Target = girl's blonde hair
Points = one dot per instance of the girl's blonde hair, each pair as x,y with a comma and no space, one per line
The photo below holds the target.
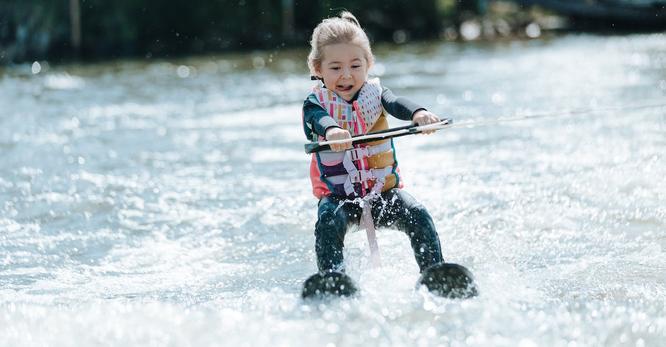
342,29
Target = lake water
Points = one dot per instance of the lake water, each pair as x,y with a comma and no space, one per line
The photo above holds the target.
167,202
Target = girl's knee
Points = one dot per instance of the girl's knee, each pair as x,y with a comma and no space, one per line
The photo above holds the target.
418,215
330,224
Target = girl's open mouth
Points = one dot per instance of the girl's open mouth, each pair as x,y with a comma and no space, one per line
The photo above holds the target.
345,88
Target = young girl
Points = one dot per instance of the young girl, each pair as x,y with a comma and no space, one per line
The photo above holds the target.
361,183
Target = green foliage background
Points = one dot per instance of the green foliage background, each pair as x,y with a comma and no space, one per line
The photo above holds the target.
40,29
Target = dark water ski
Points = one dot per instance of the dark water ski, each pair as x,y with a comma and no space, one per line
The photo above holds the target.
445,279
328,284
449,280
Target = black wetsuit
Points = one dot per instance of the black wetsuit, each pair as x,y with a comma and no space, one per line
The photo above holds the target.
396,208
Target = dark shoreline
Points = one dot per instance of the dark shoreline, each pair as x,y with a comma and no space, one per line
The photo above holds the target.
500,21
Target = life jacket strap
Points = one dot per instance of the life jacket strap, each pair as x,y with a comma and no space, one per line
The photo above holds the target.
368,224
360,153
361,176
351,169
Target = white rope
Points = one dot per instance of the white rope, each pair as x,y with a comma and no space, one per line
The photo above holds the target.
470,124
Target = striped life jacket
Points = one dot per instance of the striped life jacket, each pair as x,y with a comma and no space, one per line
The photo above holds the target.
367,167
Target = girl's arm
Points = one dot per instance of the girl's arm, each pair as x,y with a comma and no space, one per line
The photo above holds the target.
316,120
398,106
405,109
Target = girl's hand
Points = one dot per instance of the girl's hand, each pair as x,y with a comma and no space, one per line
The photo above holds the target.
335,133
423,117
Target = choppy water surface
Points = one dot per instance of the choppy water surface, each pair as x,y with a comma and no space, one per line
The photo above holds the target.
168,203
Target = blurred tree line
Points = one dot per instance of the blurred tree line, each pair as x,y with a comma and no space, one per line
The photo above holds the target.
99,29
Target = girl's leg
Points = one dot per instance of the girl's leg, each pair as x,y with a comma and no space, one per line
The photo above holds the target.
400,210
330,230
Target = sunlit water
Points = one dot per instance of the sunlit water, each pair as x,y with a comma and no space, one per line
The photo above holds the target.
167,203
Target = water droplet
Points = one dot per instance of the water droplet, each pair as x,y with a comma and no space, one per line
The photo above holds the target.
36,68
399,36
533,30
470,30
183,71
258,63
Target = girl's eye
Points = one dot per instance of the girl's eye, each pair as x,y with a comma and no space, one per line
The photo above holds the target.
356,66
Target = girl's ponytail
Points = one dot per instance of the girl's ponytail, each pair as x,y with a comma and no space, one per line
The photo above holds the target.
346,15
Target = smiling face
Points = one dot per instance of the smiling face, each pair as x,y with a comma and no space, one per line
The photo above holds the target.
344,69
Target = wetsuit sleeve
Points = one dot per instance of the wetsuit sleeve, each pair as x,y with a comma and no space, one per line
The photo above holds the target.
398,106
316,120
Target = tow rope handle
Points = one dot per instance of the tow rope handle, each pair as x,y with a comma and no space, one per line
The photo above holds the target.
411,129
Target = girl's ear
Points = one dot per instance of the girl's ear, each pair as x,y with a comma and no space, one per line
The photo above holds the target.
317,76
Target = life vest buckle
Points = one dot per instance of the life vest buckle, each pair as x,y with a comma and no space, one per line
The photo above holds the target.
363,176
359,153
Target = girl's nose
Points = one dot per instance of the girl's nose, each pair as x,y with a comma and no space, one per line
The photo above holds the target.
346,72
